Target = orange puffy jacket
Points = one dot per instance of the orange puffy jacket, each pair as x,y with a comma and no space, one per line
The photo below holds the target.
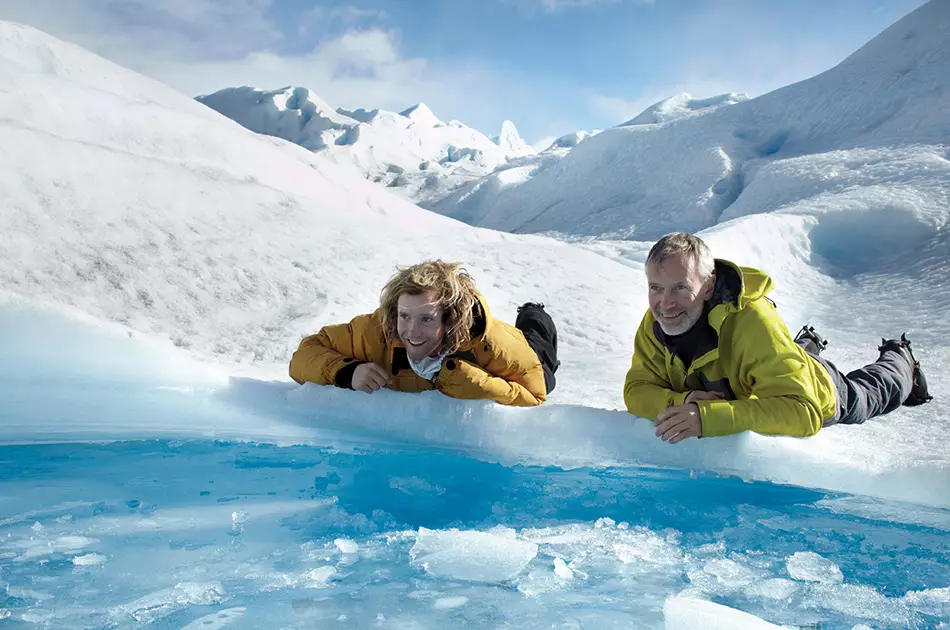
498,364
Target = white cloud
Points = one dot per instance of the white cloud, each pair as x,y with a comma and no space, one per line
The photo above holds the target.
179,29
554,6
357,68
321,20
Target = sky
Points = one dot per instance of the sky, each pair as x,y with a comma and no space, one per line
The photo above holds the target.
551,66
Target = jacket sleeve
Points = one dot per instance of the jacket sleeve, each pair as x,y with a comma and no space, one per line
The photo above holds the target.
780,376
461,379
647,390
322,357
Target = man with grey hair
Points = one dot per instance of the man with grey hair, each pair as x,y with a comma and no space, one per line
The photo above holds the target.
713,357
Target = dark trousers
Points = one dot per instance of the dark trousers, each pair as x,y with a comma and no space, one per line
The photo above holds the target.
541,334
873,390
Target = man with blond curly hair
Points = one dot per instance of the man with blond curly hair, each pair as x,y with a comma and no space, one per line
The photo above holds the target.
433,330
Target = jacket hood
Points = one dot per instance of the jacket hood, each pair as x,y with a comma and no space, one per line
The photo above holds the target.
739,285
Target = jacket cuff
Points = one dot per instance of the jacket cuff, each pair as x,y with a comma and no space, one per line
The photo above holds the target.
344,376
718,418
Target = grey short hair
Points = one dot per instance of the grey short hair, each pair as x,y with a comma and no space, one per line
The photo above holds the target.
682,243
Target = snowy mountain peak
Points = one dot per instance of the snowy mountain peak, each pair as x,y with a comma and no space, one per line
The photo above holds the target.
510,140
682,105
421,115
295,114
411,152
359,115
570,140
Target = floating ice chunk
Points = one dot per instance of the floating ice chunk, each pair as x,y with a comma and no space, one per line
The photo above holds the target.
808,566
217,620
862,602
314,578
471,555
775,588
89,559
687,613
69,545
345,545
933,601
164,602
543,580
730,573
319,577
562,570
447,603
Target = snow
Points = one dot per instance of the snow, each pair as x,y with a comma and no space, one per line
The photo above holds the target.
159,272
681,105
421,115
684,613
695,171
511,142
412,152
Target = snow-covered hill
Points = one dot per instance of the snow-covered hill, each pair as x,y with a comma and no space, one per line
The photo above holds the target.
165,216
682,105
821,139
128,203
412,152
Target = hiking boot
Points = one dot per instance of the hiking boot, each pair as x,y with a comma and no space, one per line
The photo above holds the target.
812,342
919,394
525,310
530,305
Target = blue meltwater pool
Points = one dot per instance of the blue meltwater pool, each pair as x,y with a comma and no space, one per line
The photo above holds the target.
209,535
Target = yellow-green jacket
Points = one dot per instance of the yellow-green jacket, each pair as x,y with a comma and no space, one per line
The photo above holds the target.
498,365
772,385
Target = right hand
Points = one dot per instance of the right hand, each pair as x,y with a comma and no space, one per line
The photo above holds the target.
368,377
695,395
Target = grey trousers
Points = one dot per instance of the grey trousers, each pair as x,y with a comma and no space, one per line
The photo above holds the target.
873,390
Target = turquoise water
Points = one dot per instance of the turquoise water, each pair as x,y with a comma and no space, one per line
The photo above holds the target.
160,534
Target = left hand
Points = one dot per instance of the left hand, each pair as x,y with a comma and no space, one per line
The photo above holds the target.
679,422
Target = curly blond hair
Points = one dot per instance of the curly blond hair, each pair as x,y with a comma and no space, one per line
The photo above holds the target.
453,289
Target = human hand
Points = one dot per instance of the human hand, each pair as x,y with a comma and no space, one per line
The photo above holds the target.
695,395
679,422
368,377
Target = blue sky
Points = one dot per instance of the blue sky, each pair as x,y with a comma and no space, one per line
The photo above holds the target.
551,66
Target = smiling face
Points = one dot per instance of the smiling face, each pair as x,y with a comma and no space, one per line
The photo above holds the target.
677,293
419,325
